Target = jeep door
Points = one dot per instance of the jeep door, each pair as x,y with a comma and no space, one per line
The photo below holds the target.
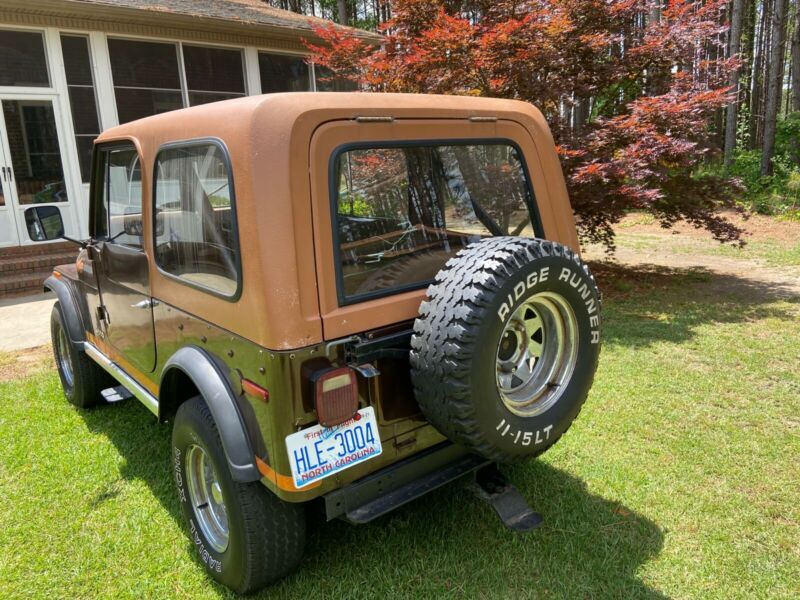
120,262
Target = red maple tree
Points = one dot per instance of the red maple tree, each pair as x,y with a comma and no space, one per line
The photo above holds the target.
629,90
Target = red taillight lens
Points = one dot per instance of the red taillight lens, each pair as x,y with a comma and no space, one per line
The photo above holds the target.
336,396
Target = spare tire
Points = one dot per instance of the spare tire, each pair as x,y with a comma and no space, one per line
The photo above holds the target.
506,346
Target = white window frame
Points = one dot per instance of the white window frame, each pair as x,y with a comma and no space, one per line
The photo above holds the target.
48,61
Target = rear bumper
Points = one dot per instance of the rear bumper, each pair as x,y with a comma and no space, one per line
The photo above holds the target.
382,491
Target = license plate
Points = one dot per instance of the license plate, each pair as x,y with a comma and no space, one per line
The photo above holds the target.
319,452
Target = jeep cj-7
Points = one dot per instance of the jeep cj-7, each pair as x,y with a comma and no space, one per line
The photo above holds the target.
356,298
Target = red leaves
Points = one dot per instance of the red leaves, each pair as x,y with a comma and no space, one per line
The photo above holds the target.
652,89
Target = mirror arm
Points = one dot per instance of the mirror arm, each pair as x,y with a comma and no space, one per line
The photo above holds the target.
82,243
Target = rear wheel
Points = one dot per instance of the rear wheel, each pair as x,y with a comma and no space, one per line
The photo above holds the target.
81,378
245,536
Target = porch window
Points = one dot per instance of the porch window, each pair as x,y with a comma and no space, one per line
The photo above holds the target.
22,59
35,152
82,100
212,74
146,78
283,73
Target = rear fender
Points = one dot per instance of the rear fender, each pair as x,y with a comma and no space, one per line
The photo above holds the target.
215,387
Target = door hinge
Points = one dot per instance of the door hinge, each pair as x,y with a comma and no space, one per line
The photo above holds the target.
102,315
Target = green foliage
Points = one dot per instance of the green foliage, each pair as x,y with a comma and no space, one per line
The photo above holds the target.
356,206
778,194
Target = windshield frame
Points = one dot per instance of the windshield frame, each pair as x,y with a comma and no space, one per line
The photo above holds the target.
531,202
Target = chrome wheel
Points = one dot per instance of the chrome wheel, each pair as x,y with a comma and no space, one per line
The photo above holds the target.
205,494
64,357
536,354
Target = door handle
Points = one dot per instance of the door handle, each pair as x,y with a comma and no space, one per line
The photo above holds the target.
146,303
3,169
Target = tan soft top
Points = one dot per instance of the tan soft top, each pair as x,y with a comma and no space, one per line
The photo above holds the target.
287,110
280,183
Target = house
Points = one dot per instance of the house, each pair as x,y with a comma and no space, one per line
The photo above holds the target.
72,68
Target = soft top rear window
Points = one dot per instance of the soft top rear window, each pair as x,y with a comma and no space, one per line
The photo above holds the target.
401,211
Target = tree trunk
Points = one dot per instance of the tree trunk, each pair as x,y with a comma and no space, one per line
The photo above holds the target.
341,6
747,52
733,109
756,96
580,116
657,81
774,85
796,59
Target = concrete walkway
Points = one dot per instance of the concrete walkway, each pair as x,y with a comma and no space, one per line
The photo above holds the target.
25,322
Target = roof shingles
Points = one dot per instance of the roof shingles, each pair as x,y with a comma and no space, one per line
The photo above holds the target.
252,12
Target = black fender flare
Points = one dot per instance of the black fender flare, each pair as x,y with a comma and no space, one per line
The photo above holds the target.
69,308
217,391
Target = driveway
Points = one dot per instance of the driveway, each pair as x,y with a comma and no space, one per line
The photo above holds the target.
25,322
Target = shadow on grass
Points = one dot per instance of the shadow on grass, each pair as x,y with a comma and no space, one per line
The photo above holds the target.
445,543
645,304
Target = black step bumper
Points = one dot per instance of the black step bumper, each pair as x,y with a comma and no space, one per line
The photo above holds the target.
383,491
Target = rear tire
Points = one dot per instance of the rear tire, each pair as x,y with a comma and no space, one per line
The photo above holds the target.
245,536
81,378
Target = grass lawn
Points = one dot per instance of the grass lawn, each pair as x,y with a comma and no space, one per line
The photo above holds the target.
769,241
774,253
681,478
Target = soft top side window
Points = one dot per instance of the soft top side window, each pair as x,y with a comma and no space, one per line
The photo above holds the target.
117,206
196,239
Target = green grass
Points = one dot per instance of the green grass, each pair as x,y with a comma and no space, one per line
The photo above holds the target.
680,479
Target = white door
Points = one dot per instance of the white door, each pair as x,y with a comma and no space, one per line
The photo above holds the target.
31,167
8,224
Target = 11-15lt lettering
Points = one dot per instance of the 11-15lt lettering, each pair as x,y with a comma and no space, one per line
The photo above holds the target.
525,438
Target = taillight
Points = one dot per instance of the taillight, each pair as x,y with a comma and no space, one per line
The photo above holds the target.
335,395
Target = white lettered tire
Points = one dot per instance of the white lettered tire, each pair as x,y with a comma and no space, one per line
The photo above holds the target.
244,535
506,346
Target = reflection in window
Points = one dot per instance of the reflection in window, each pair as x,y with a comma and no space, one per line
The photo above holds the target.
78,69
195,228
212,74
146,78
283,73
402,212
122,195
22,59
327,82
35,153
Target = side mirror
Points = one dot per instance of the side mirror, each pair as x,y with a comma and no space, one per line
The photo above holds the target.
44,223
132,225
